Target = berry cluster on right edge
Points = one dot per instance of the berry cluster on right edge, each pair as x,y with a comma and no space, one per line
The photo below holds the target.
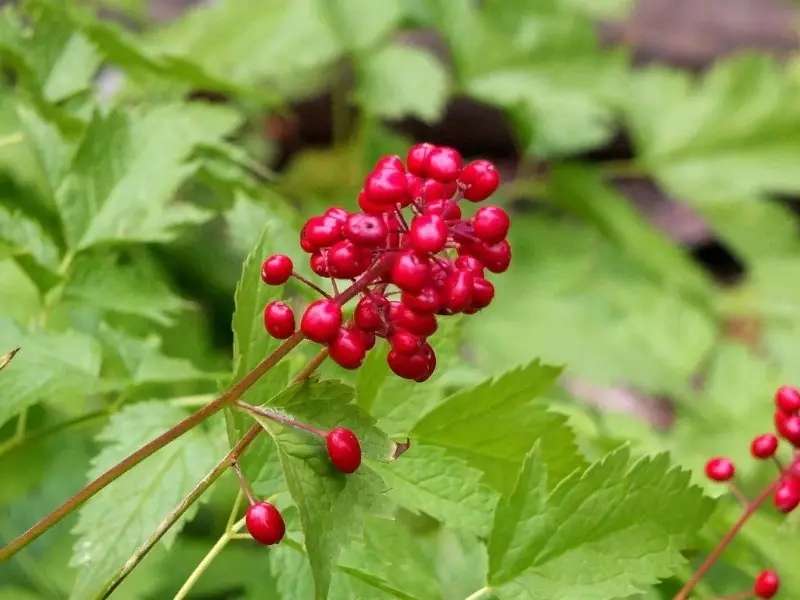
784,490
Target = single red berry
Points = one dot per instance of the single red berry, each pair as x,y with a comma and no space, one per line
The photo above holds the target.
338,213
265,523
767,584
305,243
366,230
392,162
348,348
482,293
346,260
416,367
319,263
427,300
279,320
787,399
370,207
496,257
444,207
764,446
387,187
368,337
367,313
491,224
469,263
428,233
321,321
478,180
277,269
457,291
422,324
405,342
444,164
417,159
344,450
787,495
323,232
720,469
789,429
409,271
431,190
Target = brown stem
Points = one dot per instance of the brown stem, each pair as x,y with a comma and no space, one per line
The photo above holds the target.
242,481
213,407
310,284
748,512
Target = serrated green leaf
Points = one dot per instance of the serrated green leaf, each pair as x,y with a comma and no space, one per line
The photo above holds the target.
600,534
399,81
128,167
426,480
49,366
461,564
33,250
121,517
459,424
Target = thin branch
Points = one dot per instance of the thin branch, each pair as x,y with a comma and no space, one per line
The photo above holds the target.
310,284
243,483
275,416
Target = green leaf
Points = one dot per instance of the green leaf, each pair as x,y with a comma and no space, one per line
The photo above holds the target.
49,366
399,81
704,144
459,424
603,533
32,249
121,517
6,358
461,565
331,504
426,480
127,169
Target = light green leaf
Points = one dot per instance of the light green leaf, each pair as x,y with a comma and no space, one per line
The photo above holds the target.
462,563
33,250
704,144
399,81
604,533
121,517
426,480
49,366
127,283
6,358
605,9
492,426
127,169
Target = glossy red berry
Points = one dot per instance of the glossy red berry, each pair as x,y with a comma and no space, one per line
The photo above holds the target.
347,260
405,342
305,243
482,293
457,291
344,450
323,232
789,429
417,159
416,367
444,164
321,321
367,314
366,230
764,446
720,469
496,257
469,263
338,213
369,207
277,269
491,224
787,400
392,162
766,584
387,187
448,209
348,348
427,300
409,272
430,190
478,180
428,233
319,264
787,495
422,324
265,523
279,320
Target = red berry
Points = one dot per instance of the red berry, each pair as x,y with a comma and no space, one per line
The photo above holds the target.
789,429
277,269
482,293
344,450
423,324
720,469
444,164
348,348
405,342
392,162
787,495
457,291
428,233
338,213
448,209
279,320
478,180
321,321
787,399
496,257
766,584
368,337
319,264
265,523
305,243
346,260
764,446
469,263
387,187
491,224
430,190
417,159
323,232
409,272
416,367
369,207
367,314
427,300
366,230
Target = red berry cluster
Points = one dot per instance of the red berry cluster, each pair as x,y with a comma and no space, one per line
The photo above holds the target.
436,261
785,489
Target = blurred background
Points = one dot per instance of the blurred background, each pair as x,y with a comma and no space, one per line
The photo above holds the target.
650,154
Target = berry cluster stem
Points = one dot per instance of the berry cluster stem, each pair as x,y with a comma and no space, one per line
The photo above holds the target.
228,397
712,558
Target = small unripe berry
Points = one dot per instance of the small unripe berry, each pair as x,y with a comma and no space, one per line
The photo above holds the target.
787,495
277,269
491,224
321,321
344,450
479,180
720,469
787,400
348,348
764,446
766,585
265,523
279,320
